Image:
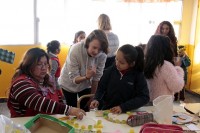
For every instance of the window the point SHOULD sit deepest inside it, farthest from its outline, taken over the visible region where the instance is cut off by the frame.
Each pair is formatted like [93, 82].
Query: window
[16, 22]
[134, 23]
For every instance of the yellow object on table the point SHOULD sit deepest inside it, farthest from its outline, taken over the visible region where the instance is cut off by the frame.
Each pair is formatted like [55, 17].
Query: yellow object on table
[131, 130]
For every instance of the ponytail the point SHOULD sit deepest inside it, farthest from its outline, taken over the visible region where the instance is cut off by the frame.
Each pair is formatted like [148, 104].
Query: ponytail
[133, 55]
[139, 63]
[53, 46]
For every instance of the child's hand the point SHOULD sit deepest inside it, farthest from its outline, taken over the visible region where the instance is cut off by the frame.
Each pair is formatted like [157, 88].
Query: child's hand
[116, 110]
[177, 61]
[94, 104]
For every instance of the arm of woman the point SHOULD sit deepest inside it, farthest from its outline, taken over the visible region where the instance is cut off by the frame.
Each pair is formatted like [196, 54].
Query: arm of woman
[101, 89]
[100, 66]
[28, 95]
[94, 86]
[102, 85]
[173, 76]
[74, 65]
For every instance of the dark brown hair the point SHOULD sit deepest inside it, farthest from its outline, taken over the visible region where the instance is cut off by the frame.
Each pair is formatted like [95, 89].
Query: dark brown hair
[30, 60]
[99, 35]
[53, 46]
[171, 34]
[157, 51]
[133, 54]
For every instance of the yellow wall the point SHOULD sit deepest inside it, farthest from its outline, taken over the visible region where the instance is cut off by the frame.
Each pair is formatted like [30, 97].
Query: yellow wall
[187, 34]
[9, 69]
[195, 78]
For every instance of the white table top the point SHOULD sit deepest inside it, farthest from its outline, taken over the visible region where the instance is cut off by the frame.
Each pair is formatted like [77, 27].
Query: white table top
[193, 107]
[110, 127]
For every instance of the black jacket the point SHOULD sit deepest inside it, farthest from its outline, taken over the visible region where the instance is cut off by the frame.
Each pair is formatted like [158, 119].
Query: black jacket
[129, 91]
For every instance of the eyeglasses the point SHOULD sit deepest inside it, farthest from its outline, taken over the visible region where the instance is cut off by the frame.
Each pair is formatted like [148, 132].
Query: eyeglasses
[41, 65]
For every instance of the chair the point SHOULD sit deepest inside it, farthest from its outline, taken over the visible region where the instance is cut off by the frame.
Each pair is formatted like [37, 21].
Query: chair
[82, 97]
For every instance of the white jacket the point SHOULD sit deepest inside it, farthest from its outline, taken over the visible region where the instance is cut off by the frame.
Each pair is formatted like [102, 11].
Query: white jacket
[76, 64]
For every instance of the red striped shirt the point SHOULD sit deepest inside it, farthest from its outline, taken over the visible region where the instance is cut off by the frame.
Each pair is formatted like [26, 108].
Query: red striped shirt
[27, 98]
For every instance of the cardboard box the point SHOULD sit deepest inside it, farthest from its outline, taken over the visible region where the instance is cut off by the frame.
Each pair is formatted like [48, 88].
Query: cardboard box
[47, 124]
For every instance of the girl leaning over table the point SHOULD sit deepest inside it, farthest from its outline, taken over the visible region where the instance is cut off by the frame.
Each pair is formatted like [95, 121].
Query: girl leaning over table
[123, 86]
[33, 91]
[83, 68]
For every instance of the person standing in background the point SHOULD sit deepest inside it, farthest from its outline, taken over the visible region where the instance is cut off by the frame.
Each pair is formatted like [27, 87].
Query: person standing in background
[185, 63]
[83, 68]
[165, 28]
[79, 36]
[105, 25]
[53, 49]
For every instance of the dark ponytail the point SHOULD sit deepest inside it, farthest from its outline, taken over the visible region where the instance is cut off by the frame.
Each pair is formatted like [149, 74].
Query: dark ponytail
[53, 46]
[133, 54]
[139, 64]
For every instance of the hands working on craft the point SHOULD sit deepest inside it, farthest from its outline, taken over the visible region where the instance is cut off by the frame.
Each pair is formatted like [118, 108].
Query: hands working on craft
[79, 113]
[94, 104]
[90, 72]
[115, 110]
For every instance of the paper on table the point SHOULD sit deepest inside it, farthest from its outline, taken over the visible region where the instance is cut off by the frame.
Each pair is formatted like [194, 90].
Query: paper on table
[181, 118]
[193, 127]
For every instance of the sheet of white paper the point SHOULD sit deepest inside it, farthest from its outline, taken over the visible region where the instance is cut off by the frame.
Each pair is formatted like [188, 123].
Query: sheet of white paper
[193, 127]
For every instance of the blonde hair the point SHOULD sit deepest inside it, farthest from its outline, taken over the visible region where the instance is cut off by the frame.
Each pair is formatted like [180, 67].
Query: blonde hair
[104, 22]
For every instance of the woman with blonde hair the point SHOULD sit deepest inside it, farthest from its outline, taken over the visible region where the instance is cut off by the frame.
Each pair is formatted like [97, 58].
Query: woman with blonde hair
[113, 41]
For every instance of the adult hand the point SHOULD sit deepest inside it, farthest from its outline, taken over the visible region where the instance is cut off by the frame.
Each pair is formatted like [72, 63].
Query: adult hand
[116, 110]
[79, 113]
[91, 71]
[94, 104]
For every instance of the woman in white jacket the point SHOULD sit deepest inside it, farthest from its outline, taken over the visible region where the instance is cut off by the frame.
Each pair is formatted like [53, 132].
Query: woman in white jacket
[84, 67]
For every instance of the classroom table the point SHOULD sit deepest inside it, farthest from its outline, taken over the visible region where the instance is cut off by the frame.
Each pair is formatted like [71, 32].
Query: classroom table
[193, 108]
[110, 127]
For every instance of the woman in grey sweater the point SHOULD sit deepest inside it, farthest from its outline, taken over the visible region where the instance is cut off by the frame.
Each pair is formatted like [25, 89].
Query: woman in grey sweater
[83, 68]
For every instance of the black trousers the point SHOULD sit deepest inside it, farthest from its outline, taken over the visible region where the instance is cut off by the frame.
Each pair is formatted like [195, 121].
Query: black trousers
[71, 98]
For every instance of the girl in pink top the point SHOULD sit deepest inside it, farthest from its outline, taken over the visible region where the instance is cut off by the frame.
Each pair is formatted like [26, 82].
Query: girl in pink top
[164, 77]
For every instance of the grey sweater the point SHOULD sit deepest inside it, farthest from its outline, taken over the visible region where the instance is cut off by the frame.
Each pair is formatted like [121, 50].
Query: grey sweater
[76, 64]
[113, 43]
